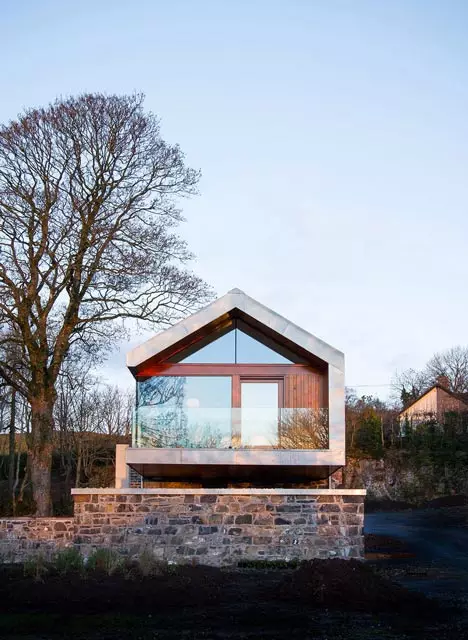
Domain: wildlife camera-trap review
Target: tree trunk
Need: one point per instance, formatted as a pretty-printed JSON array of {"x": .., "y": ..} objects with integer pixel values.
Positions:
[
  {"x": 11, "y": 443},
  {"x": 40, "y": 453},
  {"x": 78, "y": 464}
]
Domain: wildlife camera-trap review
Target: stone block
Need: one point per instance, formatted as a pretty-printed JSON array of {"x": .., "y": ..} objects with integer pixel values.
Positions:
[
  {"x": 208, "y": 499},
  {"x": 205, "y": 530},
  {"x": 330, "y": 508},
  {"x": 243, "y": 519},
  {"x": 288, "y": 508}
]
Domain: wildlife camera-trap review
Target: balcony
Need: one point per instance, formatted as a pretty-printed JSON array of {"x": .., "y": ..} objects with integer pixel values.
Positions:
[{"x": 227, "y": 428}]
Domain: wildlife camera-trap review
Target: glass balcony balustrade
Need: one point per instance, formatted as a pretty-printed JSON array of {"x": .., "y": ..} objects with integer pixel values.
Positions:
[{"x": 230, "y": 428}]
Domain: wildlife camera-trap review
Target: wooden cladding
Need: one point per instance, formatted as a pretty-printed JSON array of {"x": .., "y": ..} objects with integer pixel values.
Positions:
[
  {"x": 258, "y": 370},
  {"x": 304, "y": 390}
]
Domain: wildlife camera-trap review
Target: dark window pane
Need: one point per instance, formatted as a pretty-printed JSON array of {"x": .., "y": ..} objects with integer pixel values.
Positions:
[{"x": 251, "y": 351}]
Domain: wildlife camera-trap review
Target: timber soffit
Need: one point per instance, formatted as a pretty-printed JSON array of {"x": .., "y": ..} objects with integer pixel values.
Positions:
[{"x": 235, "y": 299}]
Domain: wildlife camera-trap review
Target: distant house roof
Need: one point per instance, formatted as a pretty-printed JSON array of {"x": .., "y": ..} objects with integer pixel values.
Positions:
[
  {"x": 463, "y": 397},
  {"x": 236, "y": 301}
]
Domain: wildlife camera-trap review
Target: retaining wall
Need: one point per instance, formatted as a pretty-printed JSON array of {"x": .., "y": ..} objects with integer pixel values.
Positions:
[
  {"x": 208, "y": 526},
  {"x": 22, "y": 537},
  {"x": 222, "y": 526}
]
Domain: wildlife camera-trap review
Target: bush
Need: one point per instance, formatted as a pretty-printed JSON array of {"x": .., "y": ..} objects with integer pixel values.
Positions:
[
  {"x": 105, "y": 561},
  {"x": 149, "y": 565},
  {"x": 69, "y": 561},
  {"x": 36, "y": 567}
]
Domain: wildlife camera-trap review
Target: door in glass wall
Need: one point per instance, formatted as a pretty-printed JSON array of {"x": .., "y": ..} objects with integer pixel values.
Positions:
[{"x": 260, "y": 404}]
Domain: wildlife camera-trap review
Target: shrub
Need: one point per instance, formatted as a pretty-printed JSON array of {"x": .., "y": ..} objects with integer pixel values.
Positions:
[
  {"x": 269, "y": 564},
  {"x": 37, "y": 567},
  {"x": 68, "y": 561},
  {"x": 149, "y": 565},
  {"x": 105, "y": 560}
]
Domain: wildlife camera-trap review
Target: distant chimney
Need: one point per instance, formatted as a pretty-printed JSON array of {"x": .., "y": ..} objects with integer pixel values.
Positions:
[{"x": 443, "y": 381}]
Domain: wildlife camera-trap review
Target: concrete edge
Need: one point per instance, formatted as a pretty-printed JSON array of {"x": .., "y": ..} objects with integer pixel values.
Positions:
[{"x": 222, "y": 492}]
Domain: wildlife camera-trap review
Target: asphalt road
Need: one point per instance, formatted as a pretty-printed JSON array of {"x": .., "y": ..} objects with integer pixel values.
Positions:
[
  {"x": 439, "y": 536},
  {"x": 438, "y": 541}
]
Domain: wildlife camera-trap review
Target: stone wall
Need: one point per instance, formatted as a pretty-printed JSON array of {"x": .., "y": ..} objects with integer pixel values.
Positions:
[
  {"x": 23, "y": 537},
  {"x": 222, "y": 526},
  {"x": 208, "y": 526}
]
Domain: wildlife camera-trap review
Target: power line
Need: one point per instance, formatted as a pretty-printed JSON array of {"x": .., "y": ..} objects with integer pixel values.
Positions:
[{"x": 369, "y": 385}]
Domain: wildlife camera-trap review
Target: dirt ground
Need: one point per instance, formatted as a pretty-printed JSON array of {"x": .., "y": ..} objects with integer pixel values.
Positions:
[{"x": 405, "y": 590}]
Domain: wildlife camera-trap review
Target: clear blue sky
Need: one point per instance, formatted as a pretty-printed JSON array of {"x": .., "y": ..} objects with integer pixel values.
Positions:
[{"x": 332, "y": 137}]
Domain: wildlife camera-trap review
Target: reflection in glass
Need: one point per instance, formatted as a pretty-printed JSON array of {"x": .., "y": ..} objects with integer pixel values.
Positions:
[
  {"x": 302, "y": 428},
  {"x": 259, "y": 415},
  {"x": 189, "y": 411},
  {"x": 251, "y": 351},
  {"x": 222, "y": 350},
  {"x": 195, "y": 412},
  {"x": 236, "y": 346}
]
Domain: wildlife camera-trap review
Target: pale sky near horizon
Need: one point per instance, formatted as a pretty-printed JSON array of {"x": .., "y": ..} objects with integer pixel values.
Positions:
[{"x": 332, "y": 137}]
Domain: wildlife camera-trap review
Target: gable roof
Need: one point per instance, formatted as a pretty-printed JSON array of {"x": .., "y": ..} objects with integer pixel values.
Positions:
[
  {"x": 235, "y": 300},
  {"x": 463, "y": 397}
]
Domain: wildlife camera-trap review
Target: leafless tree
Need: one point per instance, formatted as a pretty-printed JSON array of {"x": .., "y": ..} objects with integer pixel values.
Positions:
[
  {"x": 303, "y": 429},
  {"x": 88, "y": 192},
  {"x": 410, "y": 384},
  {"x": 453, "y": 364}
]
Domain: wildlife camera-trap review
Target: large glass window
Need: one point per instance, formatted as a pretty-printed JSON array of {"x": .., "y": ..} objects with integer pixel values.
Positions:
[
  {"x": 235, "y": 347},
  {"x": 222, "y": 350},
  {"x": 260, "y": 413},
  {"x": 188, "y": 411},
  {"x": 251, "y": 351}
]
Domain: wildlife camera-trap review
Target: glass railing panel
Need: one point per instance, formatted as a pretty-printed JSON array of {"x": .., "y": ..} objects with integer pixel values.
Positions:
[
  {"x": 224, "y": 428},
  {"x": 183, "y": 427},
  {"x": 302, "y": 428}
]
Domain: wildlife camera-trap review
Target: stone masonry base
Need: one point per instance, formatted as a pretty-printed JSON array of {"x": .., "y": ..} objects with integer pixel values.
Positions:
[{"x": 207, "y": 526}]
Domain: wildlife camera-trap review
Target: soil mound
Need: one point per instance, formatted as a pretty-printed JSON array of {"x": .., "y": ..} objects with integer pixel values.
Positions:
[{"x": 349, "y": 585}]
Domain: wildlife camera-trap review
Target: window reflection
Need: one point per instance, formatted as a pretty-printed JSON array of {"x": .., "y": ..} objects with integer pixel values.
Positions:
[
  {"x": 222, "y": 350},
  {"x": 251, "y": 351},
  {"x": 235, "y": 347},
  {"x": 188, "y": 411}
]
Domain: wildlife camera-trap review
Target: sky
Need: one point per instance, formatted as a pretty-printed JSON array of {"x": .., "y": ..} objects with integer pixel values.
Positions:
[{"x": 332, "y": 138}]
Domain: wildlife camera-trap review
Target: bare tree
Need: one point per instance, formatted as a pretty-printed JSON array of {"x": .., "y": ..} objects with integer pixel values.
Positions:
[
  {"x": 87, "y": 206},
  {"x": 452, "y": 364},
  {"x": 303, "y": 429},
  {"x": 410, "y": 384}
]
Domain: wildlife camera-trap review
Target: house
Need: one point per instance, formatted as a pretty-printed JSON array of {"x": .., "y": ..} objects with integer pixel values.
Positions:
[
  {"x": 238, "y": 439},
  {"x": 236, "y": 394},
  {"x": 434, "y": 404}
]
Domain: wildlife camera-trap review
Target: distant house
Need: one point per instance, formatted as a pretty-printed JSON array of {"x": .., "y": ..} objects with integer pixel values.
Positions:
[{"x": 434, "y": 404}]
